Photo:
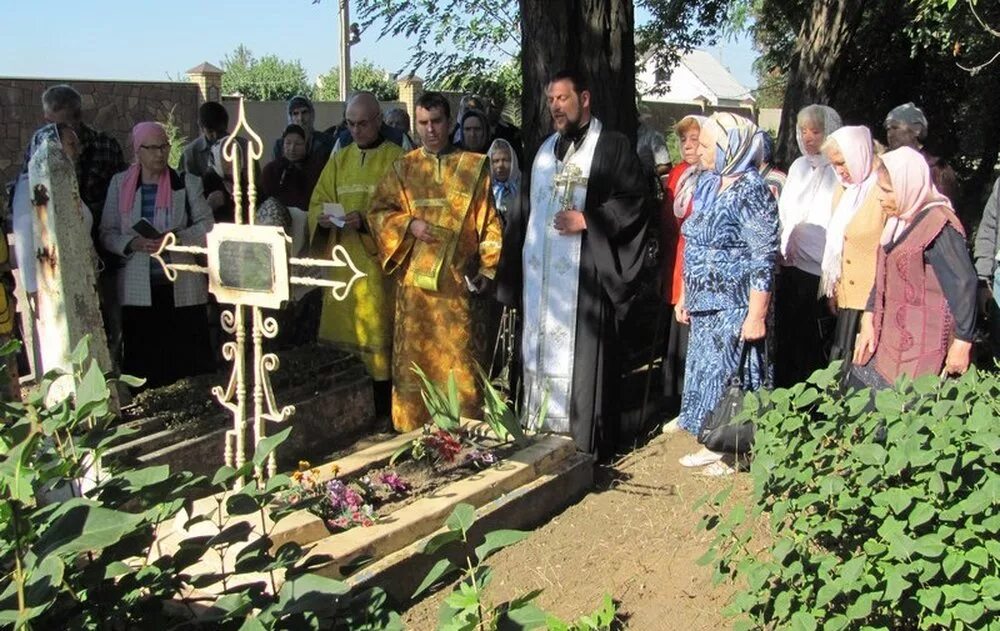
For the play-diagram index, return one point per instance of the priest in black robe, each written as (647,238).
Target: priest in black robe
(571,262)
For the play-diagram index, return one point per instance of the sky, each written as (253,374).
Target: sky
(157,41)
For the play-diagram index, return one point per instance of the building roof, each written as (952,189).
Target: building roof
(206,68)
(715,76)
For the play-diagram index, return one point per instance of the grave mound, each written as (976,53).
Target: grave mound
(184,426)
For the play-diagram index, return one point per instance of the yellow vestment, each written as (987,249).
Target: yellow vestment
(440,326)
(362,323)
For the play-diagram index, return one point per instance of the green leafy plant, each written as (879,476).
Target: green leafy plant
(79,536)
(874,519)
(445,438)
(466,607)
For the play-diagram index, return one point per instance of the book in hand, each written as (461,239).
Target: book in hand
(145,229)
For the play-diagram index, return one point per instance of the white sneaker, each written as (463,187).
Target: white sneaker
(673,426)
(701,458)
(717,470)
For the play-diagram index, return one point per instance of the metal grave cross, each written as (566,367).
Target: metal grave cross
(250,267)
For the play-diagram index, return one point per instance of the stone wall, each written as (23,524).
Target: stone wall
(110,106)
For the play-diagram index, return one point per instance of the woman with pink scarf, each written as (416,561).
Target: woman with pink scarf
(164,325)
(921,316)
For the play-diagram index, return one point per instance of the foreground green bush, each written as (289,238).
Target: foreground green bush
(81,555)
(884,519)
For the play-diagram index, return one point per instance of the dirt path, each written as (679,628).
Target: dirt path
(634,537)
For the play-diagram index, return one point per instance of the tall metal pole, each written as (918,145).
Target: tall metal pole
(345,49)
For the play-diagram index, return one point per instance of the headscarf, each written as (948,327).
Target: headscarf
(461,126)
(513,182)
(911,186)
(734,154)
(298,101)
(811,180)
(855,144)
(688,181)
(910,115)
(143,133)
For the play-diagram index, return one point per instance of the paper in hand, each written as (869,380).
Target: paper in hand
(470,285)
(336,213)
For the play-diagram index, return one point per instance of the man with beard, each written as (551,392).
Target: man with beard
(572,258)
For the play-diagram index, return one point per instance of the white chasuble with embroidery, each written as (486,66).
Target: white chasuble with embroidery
(552,278)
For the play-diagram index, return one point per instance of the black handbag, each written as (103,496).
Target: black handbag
(720,433)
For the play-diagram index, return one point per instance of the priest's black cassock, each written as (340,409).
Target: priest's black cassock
(610,255)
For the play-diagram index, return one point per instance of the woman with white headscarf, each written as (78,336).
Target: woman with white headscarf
(505,178)
(805,209)
(852,238)
(921,315)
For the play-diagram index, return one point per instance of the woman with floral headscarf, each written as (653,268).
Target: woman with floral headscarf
(921,316)
(852,238)
(805,209)
(731,245)
(164,325)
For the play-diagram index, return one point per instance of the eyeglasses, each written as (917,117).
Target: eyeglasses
(165,147)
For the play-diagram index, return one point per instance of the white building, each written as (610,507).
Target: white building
(698,78)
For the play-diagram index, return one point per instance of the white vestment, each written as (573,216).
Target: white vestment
(551,282)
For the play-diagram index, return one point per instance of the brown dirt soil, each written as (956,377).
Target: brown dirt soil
(634,537)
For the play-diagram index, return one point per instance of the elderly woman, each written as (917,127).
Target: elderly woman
(474,131)
(852,238)
(804,208)
(676,209)
(906,126)
(164,328)
(291,178)
(921,316)
(730,248)
(505,175)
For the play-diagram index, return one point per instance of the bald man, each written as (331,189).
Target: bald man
(393,135)
(363,323)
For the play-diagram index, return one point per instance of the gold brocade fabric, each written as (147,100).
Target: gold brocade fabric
(362,323)
(445,329)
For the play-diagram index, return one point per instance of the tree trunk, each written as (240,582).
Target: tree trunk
(823,38)
(594,37)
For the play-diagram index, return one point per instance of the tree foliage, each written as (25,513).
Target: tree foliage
(901,50)
(453,37)
(268,78)
(365,76)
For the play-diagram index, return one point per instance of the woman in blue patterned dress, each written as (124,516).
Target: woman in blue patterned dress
(732,242)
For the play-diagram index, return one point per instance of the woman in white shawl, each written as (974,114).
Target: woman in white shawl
(803,320)
(852,238)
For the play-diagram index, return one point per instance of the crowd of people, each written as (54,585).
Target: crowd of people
(855,254)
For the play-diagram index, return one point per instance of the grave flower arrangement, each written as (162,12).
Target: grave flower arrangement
(445,441)
(345,504)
